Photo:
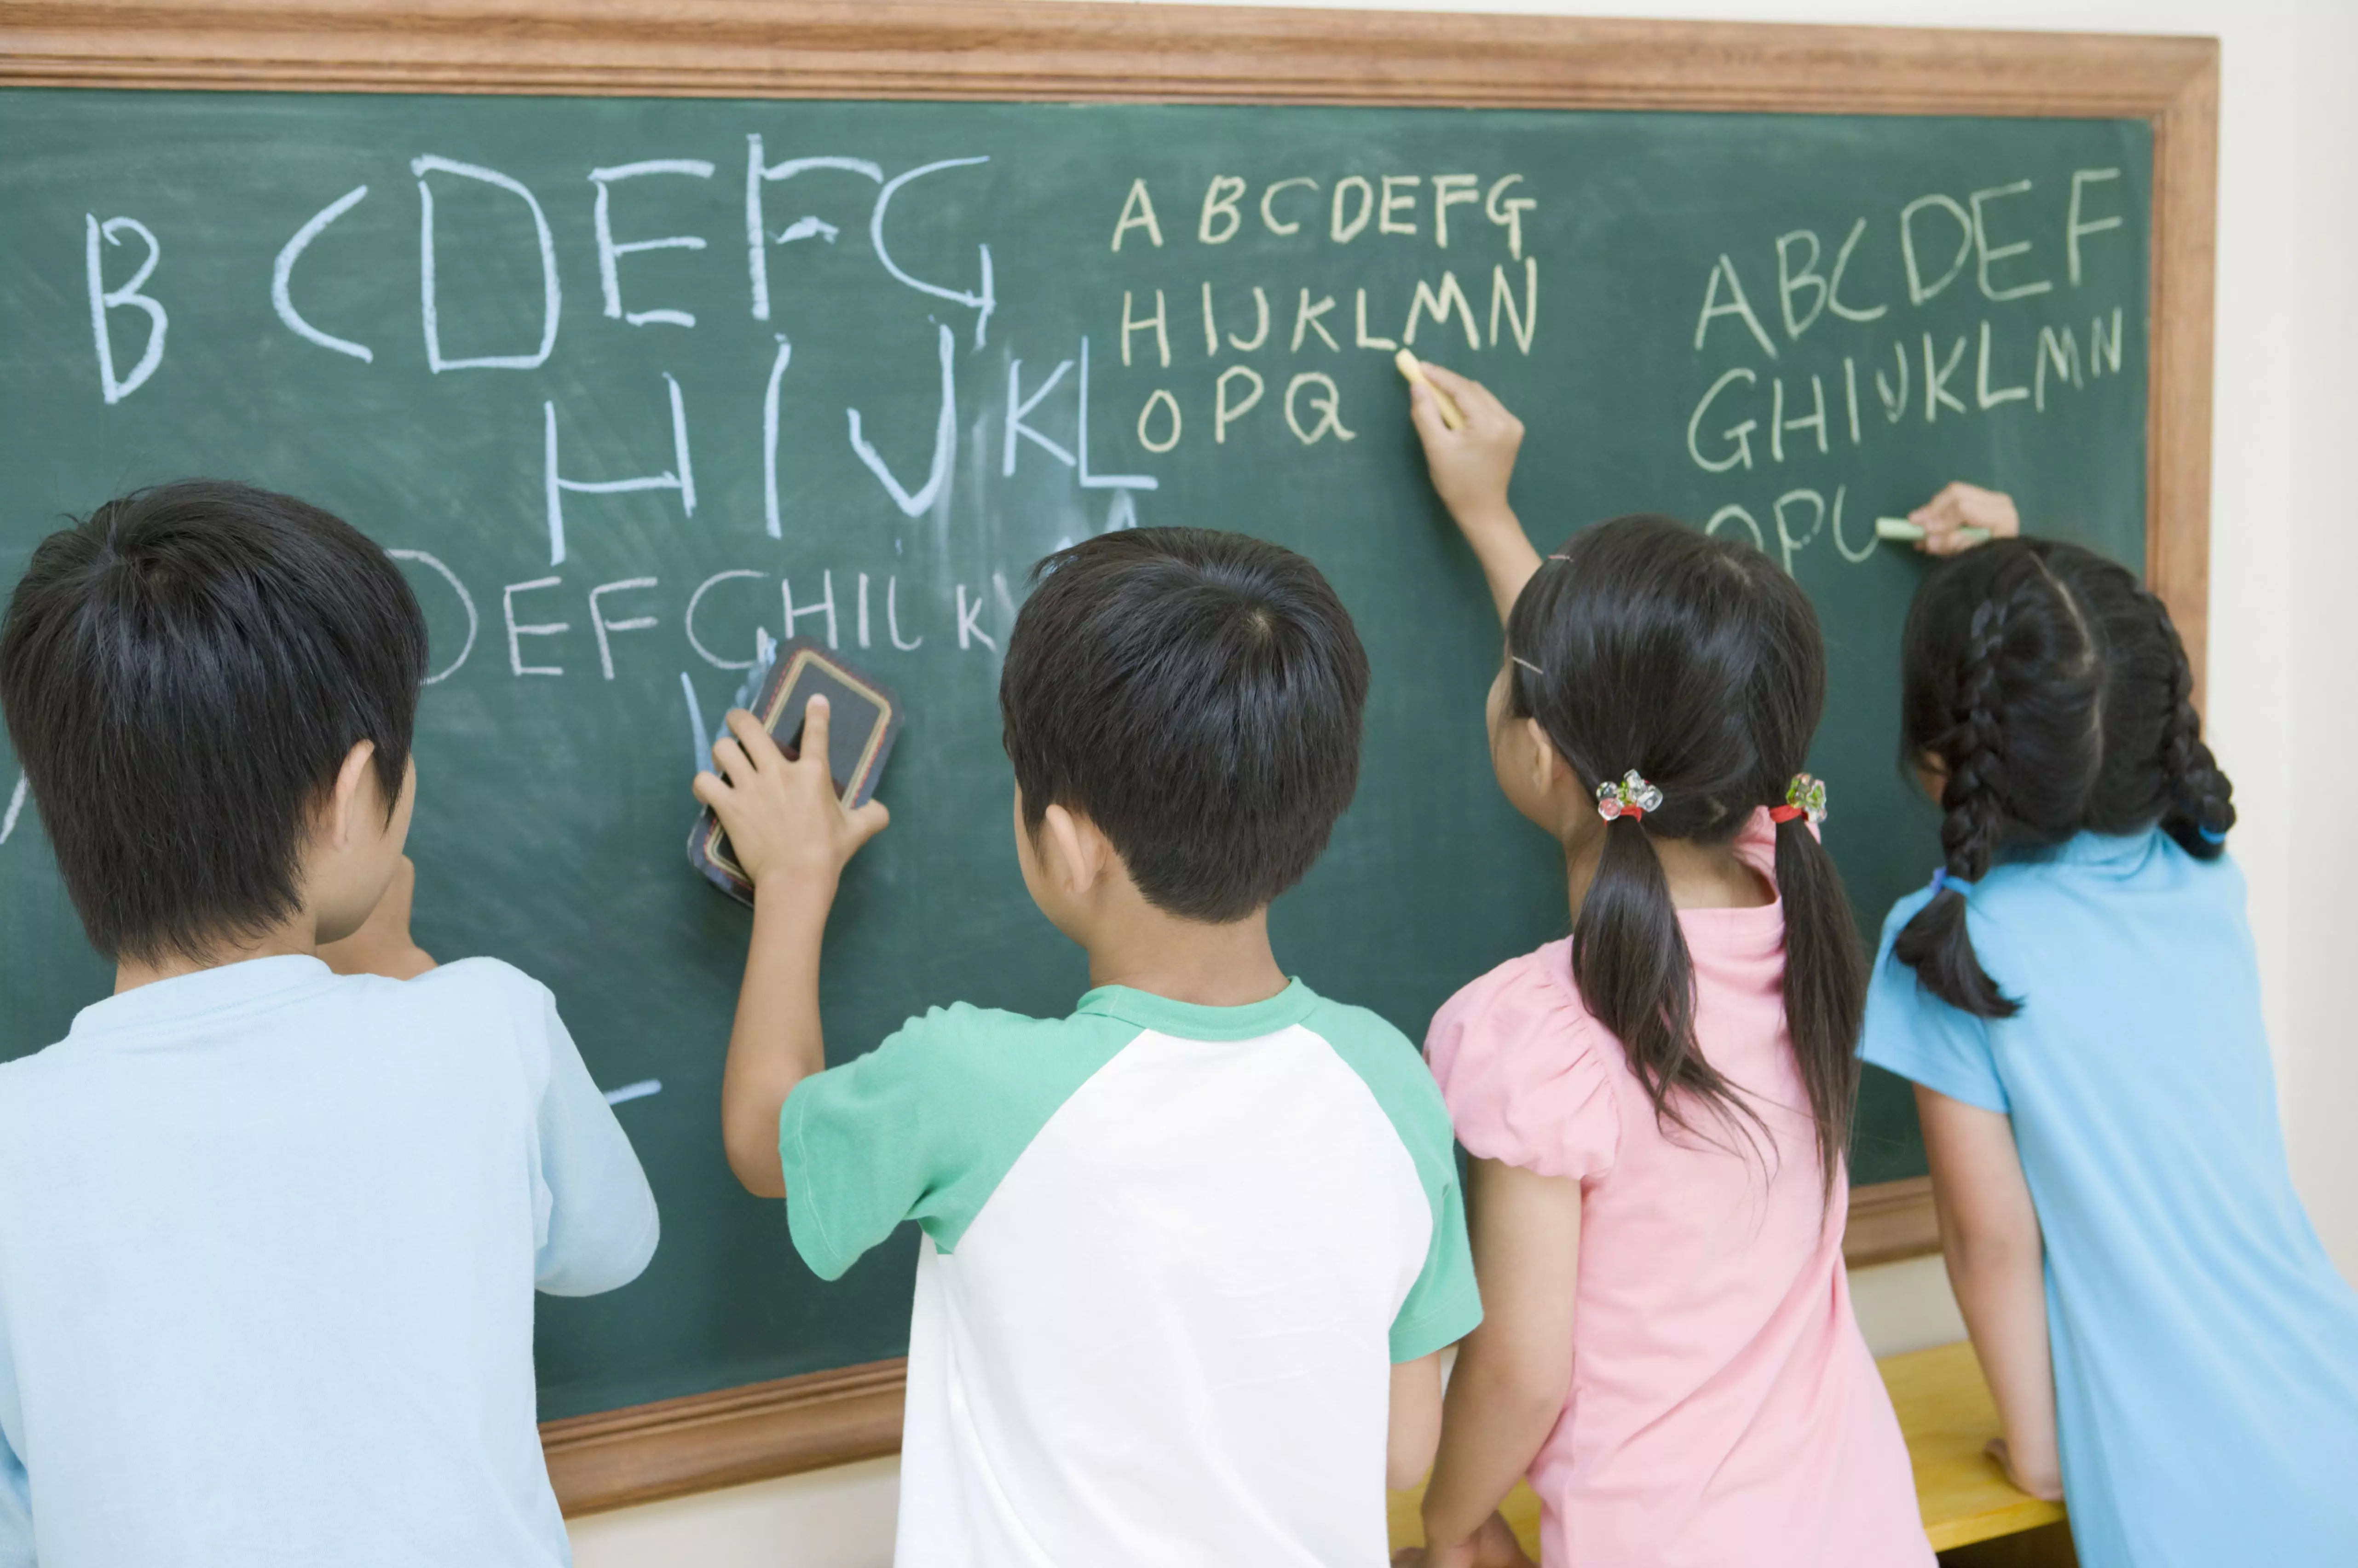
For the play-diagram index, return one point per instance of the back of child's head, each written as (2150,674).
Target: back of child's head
(184,672)
(1199,697)
(1644,646)
(2049,685)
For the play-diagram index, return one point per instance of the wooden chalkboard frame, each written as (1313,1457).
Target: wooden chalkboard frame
(786,48)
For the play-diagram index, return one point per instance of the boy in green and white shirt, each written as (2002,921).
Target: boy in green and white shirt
(1191,1253)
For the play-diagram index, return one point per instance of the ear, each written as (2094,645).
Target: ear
(345,802)
(1075,847)
(1547,767)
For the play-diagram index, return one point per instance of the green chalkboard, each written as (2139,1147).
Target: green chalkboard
(934,360)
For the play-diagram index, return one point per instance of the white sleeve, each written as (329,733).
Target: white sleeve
(602,1225)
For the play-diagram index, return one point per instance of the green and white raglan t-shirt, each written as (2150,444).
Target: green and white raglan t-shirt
(1170,1253)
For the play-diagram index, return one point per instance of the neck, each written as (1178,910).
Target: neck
(295,937)
(1700,876)
(1188,960)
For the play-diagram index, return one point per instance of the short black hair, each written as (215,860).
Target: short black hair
(1198,695)
(184,671)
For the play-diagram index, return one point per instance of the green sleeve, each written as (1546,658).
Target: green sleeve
(1443,1305)
(925,1126)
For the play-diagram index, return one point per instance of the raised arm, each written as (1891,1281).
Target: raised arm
(1990,1237)
(1959,507)
(792,834)
(1470,467)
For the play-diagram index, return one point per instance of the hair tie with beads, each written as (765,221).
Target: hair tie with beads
(1805,797)
(1632,798)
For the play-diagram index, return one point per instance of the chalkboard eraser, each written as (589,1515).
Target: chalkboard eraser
(1451,415)
(864,719)
(1902,531)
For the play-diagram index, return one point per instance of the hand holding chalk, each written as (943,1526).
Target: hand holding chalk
(1451,415)
(1958,518)
(786,826)
(1471,457)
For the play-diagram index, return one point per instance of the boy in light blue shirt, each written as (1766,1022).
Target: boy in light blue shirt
(269,1231)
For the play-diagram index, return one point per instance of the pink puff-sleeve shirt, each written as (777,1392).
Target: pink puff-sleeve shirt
(1724,1408)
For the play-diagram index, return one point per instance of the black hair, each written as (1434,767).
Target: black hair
(2052,689)
(184,671)
(1197,695)
(1646,646)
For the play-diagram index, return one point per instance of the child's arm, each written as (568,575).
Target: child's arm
(1989,1232)
(1470,467)
(1513,1372)
(790,831)
(1415,1428)
(382,945)
(1961,506)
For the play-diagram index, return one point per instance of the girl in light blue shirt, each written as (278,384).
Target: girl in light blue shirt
(2077,1000)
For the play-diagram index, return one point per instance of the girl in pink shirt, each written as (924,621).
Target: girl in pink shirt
(1657,1106)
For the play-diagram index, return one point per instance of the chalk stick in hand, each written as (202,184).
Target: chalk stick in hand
(1451,415)
(1901,531)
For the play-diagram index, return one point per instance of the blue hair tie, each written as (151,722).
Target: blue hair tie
(1940,880)
(2210,837)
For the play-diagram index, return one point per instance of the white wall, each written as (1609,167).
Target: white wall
(2283,552)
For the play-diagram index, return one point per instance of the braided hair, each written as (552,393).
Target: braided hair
(2051,690)
(1646,645)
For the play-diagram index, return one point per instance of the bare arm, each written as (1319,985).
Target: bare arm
(1415,1421)
(792,837)
(382,945)
(1989,1232)
(1470,467)
(1960,506)
(1513,1371)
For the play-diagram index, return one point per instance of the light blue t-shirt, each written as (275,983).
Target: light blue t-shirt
(2205,1350)
(268,1242)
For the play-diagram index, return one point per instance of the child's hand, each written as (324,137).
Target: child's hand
(382,945)
(782,817)
(2047,1487)
(1470,465)
(1961,506)
(1492,1546)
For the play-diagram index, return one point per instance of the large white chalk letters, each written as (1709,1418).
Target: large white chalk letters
(757,232)
(104,299)
(282,274)
(983,300)
(681,477)
(945,442)
(551,300)
(609,254)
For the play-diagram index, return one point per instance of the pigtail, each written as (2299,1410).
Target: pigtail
(2201,801)
(1630,961)
(1935,943)
(1826,986)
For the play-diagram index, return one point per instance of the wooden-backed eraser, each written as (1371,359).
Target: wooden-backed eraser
(1900,530)
(1451,415)
(863,720)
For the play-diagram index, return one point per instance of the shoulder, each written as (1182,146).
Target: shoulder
(982,1038)
(1527,1072)
(1385,1060)
(1903,909)
(492,980)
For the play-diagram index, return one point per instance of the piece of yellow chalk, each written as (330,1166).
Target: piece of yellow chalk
(1901,531)
(1451,415)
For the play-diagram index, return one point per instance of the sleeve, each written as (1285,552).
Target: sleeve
(1914,1034)
(1515,1055)
(599,1227)
(884,1138)
(1443,1305)
(16,1511)
(16,1549)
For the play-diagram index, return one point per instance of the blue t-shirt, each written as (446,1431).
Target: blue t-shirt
(268,1242)
(2205,1350)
